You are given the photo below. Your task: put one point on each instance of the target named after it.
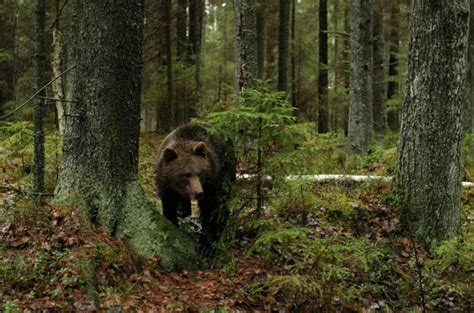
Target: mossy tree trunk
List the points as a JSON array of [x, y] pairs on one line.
[[100, 143], [428, 169]]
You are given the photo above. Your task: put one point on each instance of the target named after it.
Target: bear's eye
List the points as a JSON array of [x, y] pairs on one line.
[[187, 175]]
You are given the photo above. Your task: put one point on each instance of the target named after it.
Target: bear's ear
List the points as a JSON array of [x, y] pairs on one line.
[[200, 149], [169, 155]]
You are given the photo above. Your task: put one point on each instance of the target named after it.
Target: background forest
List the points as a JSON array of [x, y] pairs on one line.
[[351, 120]]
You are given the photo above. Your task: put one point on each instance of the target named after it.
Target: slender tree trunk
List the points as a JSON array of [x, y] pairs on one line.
[[181, 30], [468, 116], [334, 114], [428, 169], [293, 54], [245, 34], [380, 121], [39, 110], [283, 45], [346, 68], [260, 38], [323, 109], [196, 17], [222, 93], [271, 42], [57, 62], [100, 145], [360, 114], [392, 87], [170, 107], [7, 62], [164, 107], [199, 40]]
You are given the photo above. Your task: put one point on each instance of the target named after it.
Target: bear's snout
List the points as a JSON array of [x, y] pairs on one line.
[[200, 196], [195, 189]]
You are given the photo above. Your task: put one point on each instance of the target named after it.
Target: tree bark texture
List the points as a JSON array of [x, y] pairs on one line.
[[57, 67], [99, 168], [428, 168], [283, 45], [393, 119], [41, 78], [360, 113], [468, 116], [323, 80], [380, 120], [245, 36]]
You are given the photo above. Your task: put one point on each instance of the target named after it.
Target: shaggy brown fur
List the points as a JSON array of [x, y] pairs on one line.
[[195, 166]]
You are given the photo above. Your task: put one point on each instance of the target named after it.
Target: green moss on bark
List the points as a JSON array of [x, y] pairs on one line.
[[148, 233], [129, 216]]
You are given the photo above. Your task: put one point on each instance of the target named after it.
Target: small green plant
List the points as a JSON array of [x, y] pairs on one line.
[[295, 198], [320, 268], [266, 138], [10, 306], [16, 140]]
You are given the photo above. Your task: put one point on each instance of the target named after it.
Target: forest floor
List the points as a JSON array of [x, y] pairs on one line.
[[341, 249]]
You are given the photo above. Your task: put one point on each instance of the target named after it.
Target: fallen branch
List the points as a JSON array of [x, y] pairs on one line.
[[36, 93]]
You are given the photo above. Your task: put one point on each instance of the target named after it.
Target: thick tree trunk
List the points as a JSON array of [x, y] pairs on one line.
[[393, 119], [360, 114], [100, 143], [245, 35], [380, 120], [283, 45], [41, 78], [323, 109], [428, 169]]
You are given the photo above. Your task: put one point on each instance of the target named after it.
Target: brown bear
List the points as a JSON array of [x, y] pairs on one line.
[[193, 165]]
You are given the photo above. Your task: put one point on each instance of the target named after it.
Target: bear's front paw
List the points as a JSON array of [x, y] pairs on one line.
[[206, 250], [183, 210]]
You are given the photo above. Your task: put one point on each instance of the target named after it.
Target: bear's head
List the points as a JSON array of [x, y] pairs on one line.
[[187, 168]]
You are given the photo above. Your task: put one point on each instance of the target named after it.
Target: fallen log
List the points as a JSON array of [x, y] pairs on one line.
[[340, 177]]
